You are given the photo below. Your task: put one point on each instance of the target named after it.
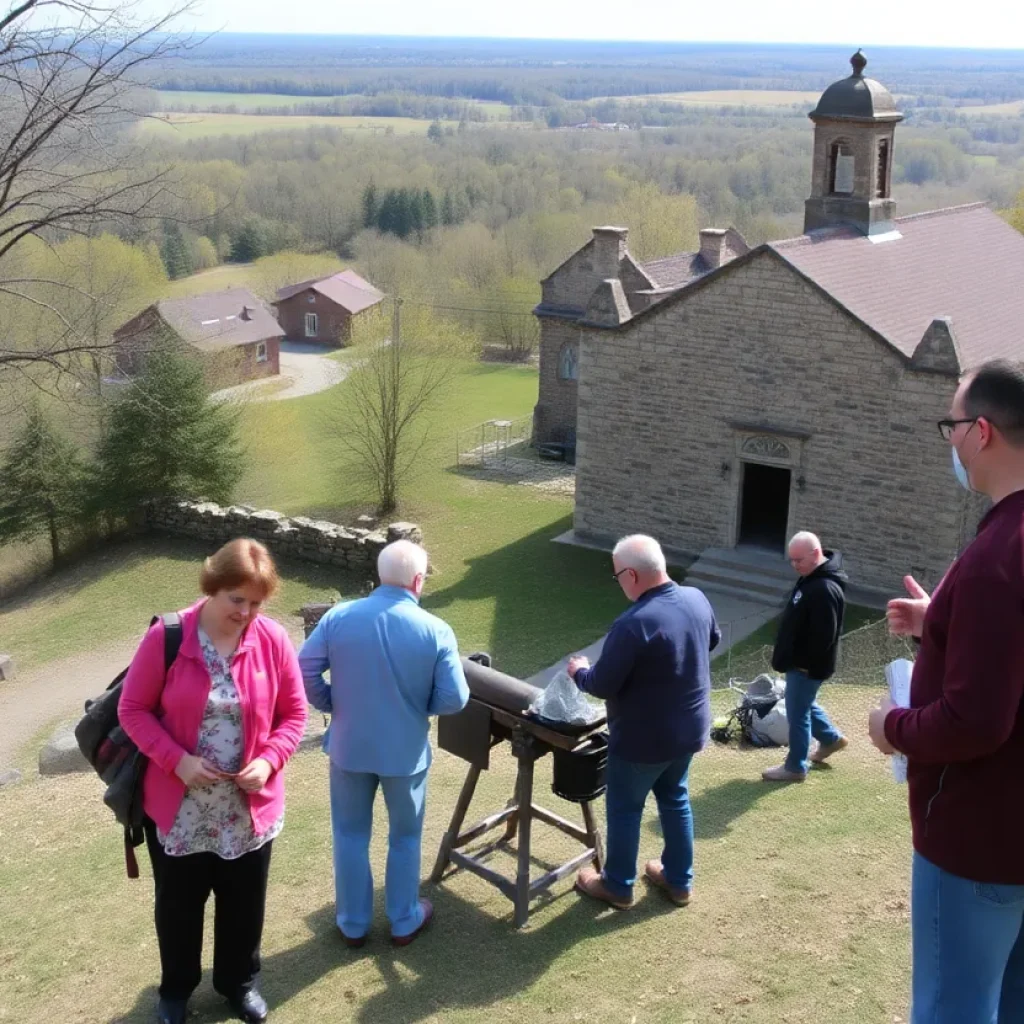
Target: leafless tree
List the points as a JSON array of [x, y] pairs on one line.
[[380, 422], [68, 71]]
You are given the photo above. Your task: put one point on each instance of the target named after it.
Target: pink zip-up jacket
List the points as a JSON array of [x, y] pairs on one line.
[[163, 718]]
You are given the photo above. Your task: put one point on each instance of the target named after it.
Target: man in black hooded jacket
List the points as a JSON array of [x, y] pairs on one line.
[[805, 650]]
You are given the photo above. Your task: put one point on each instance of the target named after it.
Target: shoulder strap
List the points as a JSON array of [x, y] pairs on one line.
[[173, 633]]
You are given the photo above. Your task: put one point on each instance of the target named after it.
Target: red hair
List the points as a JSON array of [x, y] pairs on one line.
[[241, 562]]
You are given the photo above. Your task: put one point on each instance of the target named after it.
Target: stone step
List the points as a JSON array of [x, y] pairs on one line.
[[764, 563], [756, 586]]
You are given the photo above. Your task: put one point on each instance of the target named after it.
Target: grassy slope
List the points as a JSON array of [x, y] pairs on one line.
[[499, 580]]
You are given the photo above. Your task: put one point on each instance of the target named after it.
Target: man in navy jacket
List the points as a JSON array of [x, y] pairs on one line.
[[654, 673]]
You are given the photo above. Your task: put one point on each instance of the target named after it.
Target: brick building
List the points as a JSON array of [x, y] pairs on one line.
[[726, 398], [323, 311], [233, 331]]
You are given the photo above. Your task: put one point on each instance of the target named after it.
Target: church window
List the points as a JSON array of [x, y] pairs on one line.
[[882, 179], [840, 169], [568, 363]]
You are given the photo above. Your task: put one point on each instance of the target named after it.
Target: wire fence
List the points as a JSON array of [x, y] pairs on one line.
[[863, 655], [501, 449]]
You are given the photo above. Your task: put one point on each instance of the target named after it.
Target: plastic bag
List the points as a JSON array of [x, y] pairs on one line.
[[562, 701]]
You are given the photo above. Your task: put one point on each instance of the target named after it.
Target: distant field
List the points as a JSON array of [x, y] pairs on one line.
[[728, 97], [172, 99], [1012, 109], [201, 126], [175, 100]]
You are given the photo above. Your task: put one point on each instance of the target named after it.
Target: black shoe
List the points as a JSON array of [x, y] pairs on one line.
[[171, 1011], [250, 1006]]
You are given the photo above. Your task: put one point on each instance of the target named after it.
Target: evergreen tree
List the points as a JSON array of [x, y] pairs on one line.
[[44, 482], [415, 200], [175, 252], [435, 132], [387, 214], [402, 222], [250, 244], [165, 439], [447, 209], [371, 208], [429, 206]]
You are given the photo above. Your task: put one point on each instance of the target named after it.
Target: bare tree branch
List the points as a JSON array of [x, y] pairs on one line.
[[67, 72]]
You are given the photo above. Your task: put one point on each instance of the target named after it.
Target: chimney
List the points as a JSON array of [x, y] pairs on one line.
[[712, 247], [609, 247], [247, 312]]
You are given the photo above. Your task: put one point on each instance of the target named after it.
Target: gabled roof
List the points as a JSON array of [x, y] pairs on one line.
[[346, 289], [220, 320], [965, 263]]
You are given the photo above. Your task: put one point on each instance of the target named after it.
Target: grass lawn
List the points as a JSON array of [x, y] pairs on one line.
[[1012, 109], [728, 97], [801, 903]]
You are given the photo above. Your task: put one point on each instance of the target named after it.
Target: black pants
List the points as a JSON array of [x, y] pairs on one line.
[[183, 885]]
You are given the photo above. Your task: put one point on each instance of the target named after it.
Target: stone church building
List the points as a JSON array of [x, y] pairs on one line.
[[725, 398]]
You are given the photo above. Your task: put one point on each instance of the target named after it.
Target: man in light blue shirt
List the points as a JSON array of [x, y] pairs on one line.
[[392, 666]]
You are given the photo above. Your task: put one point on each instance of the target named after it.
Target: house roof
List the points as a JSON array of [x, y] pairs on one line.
[[346, 289], [676, 271], [965, 263], [220, 320]]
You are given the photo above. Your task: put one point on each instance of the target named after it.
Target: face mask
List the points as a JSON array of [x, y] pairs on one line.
[[961, 472]]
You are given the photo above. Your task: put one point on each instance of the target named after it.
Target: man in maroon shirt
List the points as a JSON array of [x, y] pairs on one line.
[[964, 732]]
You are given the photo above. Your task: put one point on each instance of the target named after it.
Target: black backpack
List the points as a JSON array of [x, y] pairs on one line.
[[111, 752]]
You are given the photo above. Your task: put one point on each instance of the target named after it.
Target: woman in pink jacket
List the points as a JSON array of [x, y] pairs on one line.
[[218, 731]]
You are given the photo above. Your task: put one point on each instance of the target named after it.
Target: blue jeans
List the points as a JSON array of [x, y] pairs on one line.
[[968, 949], [806, 718], [352, 797], [628, 785]]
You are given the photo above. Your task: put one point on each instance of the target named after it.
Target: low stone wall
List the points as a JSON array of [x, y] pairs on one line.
[[312, 540]]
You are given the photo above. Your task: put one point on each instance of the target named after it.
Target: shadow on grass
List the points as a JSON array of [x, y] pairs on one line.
[[715, 809], [549, 599], [468, 958]]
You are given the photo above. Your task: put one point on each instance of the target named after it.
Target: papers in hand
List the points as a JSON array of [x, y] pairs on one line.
[[897, 675]]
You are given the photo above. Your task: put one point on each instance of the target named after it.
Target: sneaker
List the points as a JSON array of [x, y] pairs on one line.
[[782, 774], [655, 874], [826, 750], [590, 883]]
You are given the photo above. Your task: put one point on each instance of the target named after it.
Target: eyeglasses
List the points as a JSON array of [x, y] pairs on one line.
[[946, 427], [616, 575]]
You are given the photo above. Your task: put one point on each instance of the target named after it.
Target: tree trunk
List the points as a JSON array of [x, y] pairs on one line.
[[51, 521]]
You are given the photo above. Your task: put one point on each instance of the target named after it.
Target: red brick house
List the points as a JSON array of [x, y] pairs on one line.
[[233, 330], [322, 311]]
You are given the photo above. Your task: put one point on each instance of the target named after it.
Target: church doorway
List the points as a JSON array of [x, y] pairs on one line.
[[764, 506]]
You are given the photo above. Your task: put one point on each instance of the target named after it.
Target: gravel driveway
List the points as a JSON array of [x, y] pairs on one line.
[[307, 369]]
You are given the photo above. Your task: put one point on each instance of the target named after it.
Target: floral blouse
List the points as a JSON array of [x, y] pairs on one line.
[[216, 818]]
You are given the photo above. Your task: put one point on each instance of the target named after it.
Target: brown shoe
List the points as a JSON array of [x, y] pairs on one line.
[[782, 774], [428, 916], [655, 874], [826, 750], [590, 883]]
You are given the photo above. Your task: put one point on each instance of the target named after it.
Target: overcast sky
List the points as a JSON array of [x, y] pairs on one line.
[[981, 23]]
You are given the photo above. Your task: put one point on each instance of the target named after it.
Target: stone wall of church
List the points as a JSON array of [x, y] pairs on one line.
[[554, 415], [758, 358]]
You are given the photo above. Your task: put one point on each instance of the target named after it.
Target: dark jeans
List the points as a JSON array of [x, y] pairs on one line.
[[183, 885], [629, 784], [806, 718]]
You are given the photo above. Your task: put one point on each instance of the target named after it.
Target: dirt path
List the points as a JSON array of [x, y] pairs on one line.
[[54, 692]]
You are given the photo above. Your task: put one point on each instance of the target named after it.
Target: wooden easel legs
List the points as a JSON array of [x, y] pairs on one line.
[[518, 818]]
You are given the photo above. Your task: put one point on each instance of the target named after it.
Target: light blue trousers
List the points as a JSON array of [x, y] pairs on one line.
[[352, 797]]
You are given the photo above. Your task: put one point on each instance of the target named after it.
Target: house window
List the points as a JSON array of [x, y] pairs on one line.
[[840, 174], [882, 181], [261, 351], [311, 298], [568, 363], [312, 325]]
